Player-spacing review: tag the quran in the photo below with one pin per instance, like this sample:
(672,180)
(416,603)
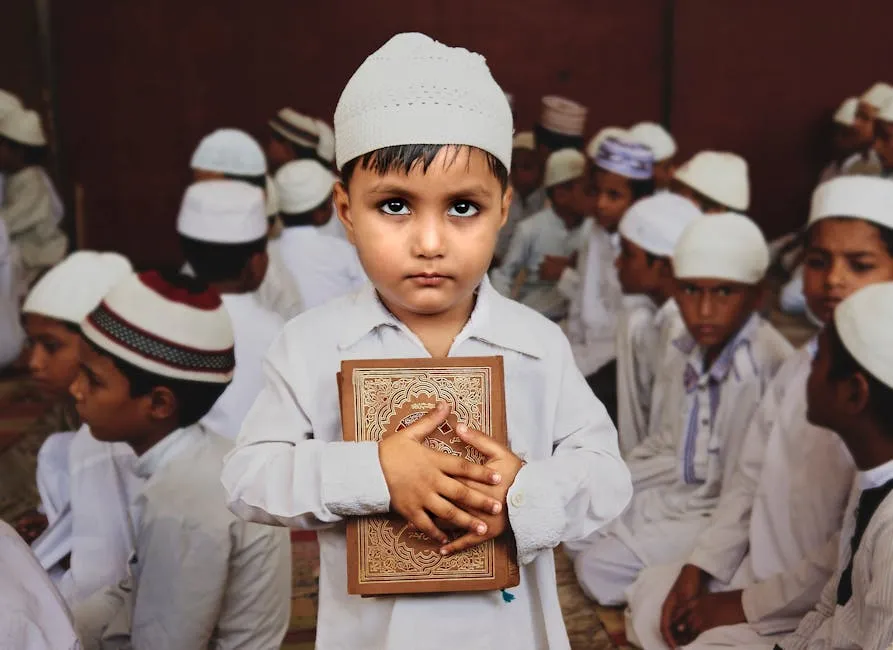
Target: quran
(385,555)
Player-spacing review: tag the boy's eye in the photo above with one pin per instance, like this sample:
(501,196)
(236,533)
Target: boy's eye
(689,291)
(862,267)
(394,207)
(463,209)
(815,262)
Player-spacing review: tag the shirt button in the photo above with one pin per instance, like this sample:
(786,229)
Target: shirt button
(518,499)
(705,422)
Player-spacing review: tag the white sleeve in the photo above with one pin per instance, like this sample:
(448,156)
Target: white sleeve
(875,627)
(279,474)
(582,486)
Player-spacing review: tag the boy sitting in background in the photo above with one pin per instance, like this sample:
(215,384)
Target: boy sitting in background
(158,353)
(864,162)
(663,146)
(528,194)
(717,372)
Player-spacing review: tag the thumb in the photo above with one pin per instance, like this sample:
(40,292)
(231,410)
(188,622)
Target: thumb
(424,426)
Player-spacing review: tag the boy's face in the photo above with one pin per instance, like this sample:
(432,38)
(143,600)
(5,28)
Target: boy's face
(53,354)
(637,274)
(426,238)
(864,123)
(613,198)
(842,256)
(663,173)
(714,310)
(569,199)
(279,151)
(883,142)
(845,140)
(527,171)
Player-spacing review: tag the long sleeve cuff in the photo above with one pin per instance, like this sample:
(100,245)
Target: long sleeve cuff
(536,511)
(569,283)
(721,568)
(352,481)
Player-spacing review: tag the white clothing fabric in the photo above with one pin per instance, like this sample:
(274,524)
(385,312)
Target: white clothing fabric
(278,291)
(254,329)
(519,210)
(680,469)
(545,233)
(637,341)
(290,467)
(53,479)
(201,578)
(593,289)
(323,267)
(33,615)
(875,477)
(333,227)
(12,336)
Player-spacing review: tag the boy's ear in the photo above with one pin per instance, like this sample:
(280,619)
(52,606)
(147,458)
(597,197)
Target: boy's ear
(506,205)
(256,269)
(342,205)
(857,396)
(162,403)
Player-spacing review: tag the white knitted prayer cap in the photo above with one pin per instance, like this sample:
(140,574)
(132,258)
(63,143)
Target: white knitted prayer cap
(726,246)
(846,112)
(229,151)
(326,147)
(296,127)
(656,138)
(878,95)
(656,223)
(858,197)
(414,90)
(608,132)
(718,175)
(8,103)
(165,329)
(563,116)
(524,140)
(24,127)
(303,185)
(564,166)
(864,323)
(74,287)
(885,113)
(223,212)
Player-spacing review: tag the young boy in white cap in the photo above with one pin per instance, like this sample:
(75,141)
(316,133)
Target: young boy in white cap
(84,484)
(528,193)
(31,207)
(850,391)
(561,125)
(8,104)
(158,353)
(663,146)
(717,372)
(845,138)
(12,336)
(555,230)
(883,139)
(425,219)
(771,546)
(324,267)
(650,317)
(864,162)
(715,181)
(223,233)
(293,136)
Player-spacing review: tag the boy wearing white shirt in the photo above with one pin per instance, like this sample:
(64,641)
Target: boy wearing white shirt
(865,161)
(8,103)
(715,181)
(324,267)
(718,372)
(425,218)
(555,230)
(12,336)
(528,193)
(223,233)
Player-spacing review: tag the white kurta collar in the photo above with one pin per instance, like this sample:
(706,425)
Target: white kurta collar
(876,476)
(725,362)
(166,449)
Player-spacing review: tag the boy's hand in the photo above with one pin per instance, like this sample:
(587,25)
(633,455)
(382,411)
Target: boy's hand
(422,481)
(708,611)
(31,525)
(501,460)
(690,584)
(552,267)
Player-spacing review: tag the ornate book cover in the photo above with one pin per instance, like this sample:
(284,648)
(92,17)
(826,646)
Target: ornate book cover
(382,396)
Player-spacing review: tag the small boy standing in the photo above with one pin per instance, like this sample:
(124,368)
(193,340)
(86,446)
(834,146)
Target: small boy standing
(715,181)
(158,353)
(718,371)
(663,146)
(425,217)
(528,193)
(555,230)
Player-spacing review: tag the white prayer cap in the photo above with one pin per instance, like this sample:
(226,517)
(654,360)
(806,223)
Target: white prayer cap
(272,197)
(608,132)
(656,138)
(846,112)
(8,103)
(303,185)
(223,212)
(864,323)
(414,90)
(720,176)
(656,223)
(524,140)
(24,127)
(878,95)
(175,330)
(74,287)
(229,151)
(297,128)
(857,197)
(726,246)
(563,166)
(885,114)
(563,116)
(326,147)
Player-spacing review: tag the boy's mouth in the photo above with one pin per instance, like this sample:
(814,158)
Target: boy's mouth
(429,279)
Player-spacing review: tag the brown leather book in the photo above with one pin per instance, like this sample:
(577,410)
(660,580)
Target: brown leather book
(382,396)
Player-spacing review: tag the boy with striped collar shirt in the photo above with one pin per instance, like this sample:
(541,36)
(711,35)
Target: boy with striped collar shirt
(425,218)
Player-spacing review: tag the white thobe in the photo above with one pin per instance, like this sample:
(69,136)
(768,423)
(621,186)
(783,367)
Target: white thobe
(33,615)
(291,467)
(333,227)
(679,470)
(595,299)
(774,533)
(324,267)
(278,292)
(866,620)
(254,330)
(12,336)
(637,341)
(519,210)
(545,233)
(201,578)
